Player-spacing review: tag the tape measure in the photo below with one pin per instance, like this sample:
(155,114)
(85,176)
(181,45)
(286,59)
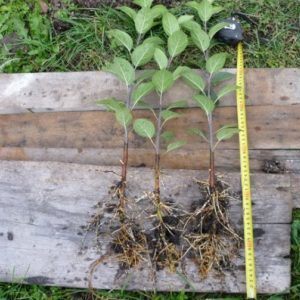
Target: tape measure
(245,178)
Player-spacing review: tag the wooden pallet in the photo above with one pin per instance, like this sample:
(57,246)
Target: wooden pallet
(50,119)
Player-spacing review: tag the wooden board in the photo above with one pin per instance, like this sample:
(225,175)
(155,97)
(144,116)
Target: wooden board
(44,205)
(78,91)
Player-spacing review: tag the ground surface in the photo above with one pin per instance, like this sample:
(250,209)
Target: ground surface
(79,43)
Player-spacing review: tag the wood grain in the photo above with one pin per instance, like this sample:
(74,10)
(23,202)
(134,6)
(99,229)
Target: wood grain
(45,204)
(78,91)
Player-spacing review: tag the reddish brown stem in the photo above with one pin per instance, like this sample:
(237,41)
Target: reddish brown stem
(122,188)
(212,175)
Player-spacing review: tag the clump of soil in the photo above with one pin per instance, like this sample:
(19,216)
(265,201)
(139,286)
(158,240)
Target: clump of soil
(211,240)
(273,167)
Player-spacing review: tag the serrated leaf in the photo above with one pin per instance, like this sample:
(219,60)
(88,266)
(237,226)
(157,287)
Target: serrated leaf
(162,80)
(221,76)
(177,104)
(216,62)
(122,69)
(205,103)
(122,38)
(185,18)
(144,128)
(168,115)
(142,54)
(193,80)
(201,39)
(170,23)
(191,26)
(216,28)
(141,91)
(143,20)
(177,43)
(226,133)
(168,136)
(161,58)
(143,3)
(155,40)
(111,104)
(197,131)
(124,116)
(179,71)
(128,11)
(175,145)
(226,90)
(158,11)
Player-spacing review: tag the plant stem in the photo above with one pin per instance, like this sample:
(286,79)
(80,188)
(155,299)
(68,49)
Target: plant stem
(122,189)
(157,152)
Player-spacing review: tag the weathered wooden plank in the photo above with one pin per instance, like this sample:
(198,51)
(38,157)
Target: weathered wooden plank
(295,189)
(45,204)
(78,91)
(196,159)
(269,128)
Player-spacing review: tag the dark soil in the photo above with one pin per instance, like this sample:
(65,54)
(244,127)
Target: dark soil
(273,167)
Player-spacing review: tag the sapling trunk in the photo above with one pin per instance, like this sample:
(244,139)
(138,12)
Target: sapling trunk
(157,153)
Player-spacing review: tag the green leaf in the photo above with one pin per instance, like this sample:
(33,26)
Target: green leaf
(216,62)
(158,11)
(185,18)
(226,90)
(141,91)
(193,4)
(128,11)
(191,26)
(179,72)
(205,103)
(226,132)
(216,28)
(177,104)
(143,20)
(177,43)
(205,10)
(124,116)
(193,80)
(144,128)
(162,80)
(221,76)
(201,39)
(122,69)
(142,54)
(155,40)
(198,132)
(143,3)
(161,58)
(146,74)
(122,38)
(111,104)
(169,115)
(168,136)
(175,145)
(217,9)
(170,23)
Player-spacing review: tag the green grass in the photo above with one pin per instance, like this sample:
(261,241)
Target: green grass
(33,292)
(273,42)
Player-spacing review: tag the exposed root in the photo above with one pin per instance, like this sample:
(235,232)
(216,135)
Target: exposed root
(164,239)
(130,245)
(211,240)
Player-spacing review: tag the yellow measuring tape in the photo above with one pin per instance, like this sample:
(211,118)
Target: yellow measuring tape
(245,178)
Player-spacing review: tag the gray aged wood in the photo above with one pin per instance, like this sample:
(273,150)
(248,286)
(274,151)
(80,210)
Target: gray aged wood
(78,91)
(44,205)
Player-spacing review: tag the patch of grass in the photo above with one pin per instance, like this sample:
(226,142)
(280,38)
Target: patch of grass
(32,44)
